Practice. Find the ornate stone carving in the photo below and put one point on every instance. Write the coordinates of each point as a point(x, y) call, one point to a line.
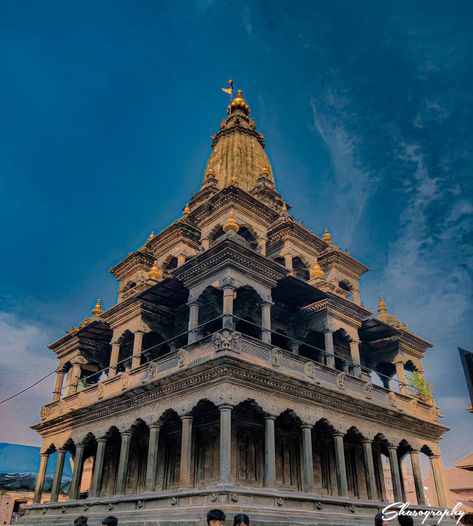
point(318, 505)
point(310, 370)
point(140, 504)
point(44, 413)
point(341, 377)
point(234, 497)
point(125, 380)
point(227, 340)
point(100, 391)
point(276, 356)
point(368, 389)
point(280, 502)
point(174, 501)
point(183, 357)
point(110, 506)
point(213, 497)
point(392, 399)
point(413, 404)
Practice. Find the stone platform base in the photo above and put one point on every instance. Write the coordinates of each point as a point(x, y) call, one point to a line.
point(189, 508)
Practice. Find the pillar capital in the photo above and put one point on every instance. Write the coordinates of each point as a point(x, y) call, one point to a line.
point(268, 416)
point(225, 407)
point(101, 439)
point(414, 451)
point(127, 433)
point(187, 416)
point(338, 434)
point(306, 425)
point(156, 425)
point(366, 440)
point(44, 454)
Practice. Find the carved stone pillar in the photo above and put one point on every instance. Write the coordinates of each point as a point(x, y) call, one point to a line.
point(228, 296)
point(401, 375)
point(440, 488)
point(294, 346)
point(395, 474)
point(205, 243)
point(193, 320)
point(77, 473)
point(98, 467)
point(123, 462)
point(75, 376)
point(186, 451)
point(112, 369)
point(329, 349)
point(56, 487)
point(262, 246)
point(266, 321)
point(137, 349)
point(43, 465)
point(269, 452)
point(58, 385)
point(369, 469)
point(288, 262)
point(355, 357)
point(181, 259)
point(225, 444)
point(152, 464)
point(356, 296)
point(308, 460)
point(340, 465)
point(417, 475)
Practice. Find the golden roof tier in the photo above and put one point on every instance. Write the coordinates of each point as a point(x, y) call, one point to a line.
point(238, 157)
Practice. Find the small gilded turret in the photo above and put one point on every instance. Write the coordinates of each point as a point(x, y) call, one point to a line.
point(187, 210)
point(151, 236)
point(155, 272)
point(382, 307)
point(327, 237)
point(316, 271)
point(97, 311)
point(231, 225)
point(239, 103)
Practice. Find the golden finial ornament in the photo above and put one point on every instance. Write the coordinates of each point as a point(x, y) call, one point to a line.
point(316, 271)
point(327, 237)
point(187, 210)
point(239, 103)
point(155, 272)
point(97, 311)
point(264, 172)
point(210, 173)
point(234, 180)
point(231, 225)
point(382, 307)
point(151, 236)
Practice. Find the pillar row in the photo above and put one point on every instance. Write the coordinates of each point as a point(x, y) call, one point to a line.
point(137, 349)
point(225, 444)
point(266, 321)
point(43, 464)
point(395, 473)
point(123, 462)
point(152, 463)
point(269, 452)
point(186, 451)
point(56, 487)
point(77, 473)
point(329, 349)
point(340, 465)
point(98, 467)
point(369, 469)
point(114, 355)
point(308, 458)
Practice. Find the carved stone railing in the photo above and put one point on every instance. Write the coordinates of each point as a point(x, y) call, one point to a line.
point(250, 350)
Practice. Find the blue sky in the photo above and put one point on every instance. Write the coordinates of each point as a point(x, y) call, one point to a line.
point(106, 114)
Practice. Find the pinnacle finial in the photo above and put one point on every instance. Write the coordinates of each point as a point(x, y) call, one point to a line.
point(264, 171)
point(151, 236)
point(239, 103)
point(327, 237)
point(316, 271)
point(234, 180)
point(231, 225)
point(187, 210)
point(155, 272)
point(382, 307)
point(97, 311)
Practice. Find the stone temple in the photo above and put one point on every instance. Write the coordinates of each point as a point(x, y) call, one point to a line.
point(238, 370)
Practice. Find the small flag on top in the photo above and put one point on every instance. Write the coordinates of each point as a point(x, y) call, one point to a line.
point(230, 89)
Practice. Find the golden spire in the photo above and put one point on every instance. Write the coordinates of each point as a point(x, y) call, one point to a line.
point(97, 311)
point(264, 172)
point(316, 271)
point(231, 225)
point(151, 236)
point(382, 307)
point(239, 103)
point(327, 237)
point(155, 272)
point(187, 210)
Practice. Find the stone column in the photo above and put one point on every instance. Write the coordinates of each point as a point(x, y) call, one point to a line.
point(355, 357)
point(294, 346)
point(225, 444)
point(340, 465)
point(308, 458)
point(288, 262)
point(401, 375)
point(98, 467)
point(269, 452)
point(137, 349)
point(356, 296)
point(193, 320)
point(77, 474)
point(205, 243)
point(228, 295)
point(329, 349)
point(112, 369)
point(152, 464)
point(369, 469)
point(75, 376)
point(437, 474)
point(266, 321)
point(186, 451)
point(58, 385)
point(395, 474)
point(43, 465)
point(56, 487)
point(262, 246)
point(417, 475)
point(181, 259)
point(123, 462)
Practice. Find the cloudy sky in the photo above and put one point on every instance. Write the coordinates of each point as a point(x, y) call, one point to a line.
point(106, 113)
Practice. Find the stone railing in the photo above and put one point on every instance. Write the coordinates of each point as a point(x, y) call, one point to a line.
point(249, 350)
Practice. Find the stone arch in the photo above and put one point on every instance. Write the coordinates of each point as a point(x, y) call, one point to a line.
point(313, 346)
point(323, 448)
point(169, 450)
point(211, 305)
point(248, 318)
point(356, 479)
point(341, 344)
point(136, 473)
point(170, 263)
point(86, 468)
point(216, 232)
point(126, 350)
point(385, 371)
point(288, 454)
point(301, 268)
point(248, 233)
point(111, 459)
point(206, 440)
point(153, 347)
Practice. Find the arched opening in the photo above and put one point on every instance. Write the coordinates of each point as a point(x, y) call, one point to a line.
point(405, 470)
point(111, 459)
point(88, 459)
point(288, 455)
point(206, 432)
point(347, 287)
point(280, 260)
point(384, 374)
point(136, 476)
point(248, 236)
point(314, 346)
point(89, 375)
point(66, 475)
point(171, 264)
point(67, 383)
point(356, 478)
point(382, 469)
point(246, 307)
point(281, 340)
point(169, 451)
point(211, 301)
point(153, 347)
point(248, 435)
point(215, 234)
point(300, 269)
point(341, 344)
point(325, 473)
point(126, 351)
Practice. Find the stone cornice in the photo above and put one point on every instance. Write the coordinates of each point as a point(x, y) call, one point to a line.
point(336, 258)
point(181, 230)
point(136, 307)
point(289, 228)
point(336, 305)
point(139, 260)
